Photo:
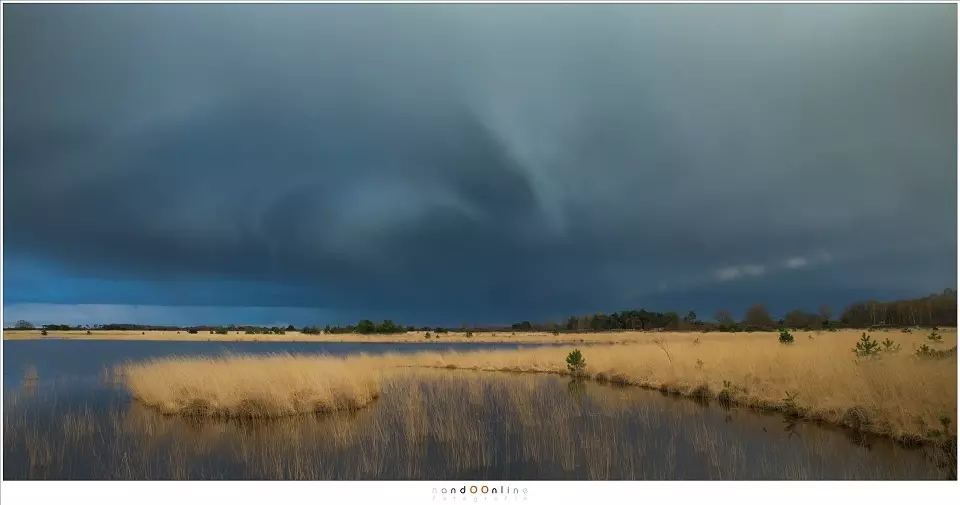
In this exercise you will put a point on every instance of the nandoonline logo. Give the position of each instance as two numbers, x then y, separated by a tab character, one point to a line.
482	493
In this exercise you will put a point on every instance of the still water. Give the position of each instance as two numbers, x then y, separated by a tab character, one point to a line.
427	425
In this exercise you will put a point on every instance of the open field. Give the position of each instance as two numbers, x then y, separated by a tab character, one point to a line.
817	378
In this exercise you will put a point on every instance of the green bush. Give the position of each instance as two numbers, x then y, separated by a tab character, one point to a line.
890	346
926	351
935	337
866	347
785	337
575	363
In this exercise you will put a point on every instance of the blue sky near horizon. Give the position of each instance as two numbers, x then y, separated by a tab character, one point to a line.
314	164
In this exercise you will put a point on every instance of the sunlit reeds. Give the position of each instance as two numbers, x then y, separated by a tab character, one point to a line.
252	386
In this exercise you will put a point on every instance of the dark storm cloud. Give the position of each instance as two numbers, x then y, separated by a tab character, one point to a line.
498	161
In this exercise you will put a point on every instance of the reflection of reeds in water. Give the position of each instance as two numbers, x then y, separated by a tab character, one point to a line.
444	425
884	396
30	373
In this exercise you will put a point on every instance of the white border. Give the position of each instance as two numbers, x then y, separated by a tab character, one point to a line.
539	492
394	492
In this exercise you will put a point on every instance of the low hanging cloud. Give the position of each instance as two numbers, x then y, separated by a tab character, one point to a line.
736	272
497	162
733	273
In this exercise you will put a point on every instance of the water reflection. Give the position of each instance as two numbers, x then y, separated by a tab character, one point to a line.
450	425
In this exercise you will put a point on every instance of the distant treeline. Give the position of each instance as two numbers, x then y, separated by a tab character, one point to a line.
933	310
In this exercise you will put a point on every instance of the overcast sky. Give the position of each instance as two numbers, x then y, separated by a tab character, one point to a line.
437	164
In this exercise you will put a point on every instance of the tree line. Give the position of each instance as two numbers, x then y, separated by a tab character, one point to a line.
938	309
933	310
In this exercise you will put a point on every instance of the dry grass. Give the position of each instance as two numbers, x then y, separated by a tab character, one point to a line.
252	386
896	395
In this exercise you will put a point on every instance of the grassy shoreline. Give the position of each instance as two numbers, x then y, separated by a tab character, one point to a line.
817	378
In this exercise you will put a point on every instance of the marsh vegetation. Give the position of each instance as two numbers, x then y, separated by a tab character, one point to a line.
675	406
454	424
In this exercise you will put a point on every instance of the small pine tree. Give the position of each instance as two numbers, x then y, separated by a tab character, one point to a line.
575	363
866	347
786	337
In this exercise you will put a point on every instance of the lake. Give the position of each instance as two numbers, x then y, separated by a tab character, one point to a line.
427	425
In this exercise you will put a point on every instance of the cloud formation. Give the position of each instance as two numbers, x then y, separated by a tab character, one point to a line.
493	162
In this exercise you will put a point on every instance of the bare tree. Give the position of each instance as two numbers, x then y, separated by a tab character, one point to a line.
724	317
824	313
758	316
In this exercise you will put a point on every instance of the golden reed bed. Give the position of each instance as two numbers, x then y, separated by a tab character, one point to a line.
818	377
252	386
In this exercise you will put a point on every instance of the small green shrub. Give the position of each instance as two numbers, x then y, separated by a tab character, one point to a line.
890	347
866	347
935	337
785	337
468	334
43	332
696	341
575	363
928	352
790	406
426	335
907	330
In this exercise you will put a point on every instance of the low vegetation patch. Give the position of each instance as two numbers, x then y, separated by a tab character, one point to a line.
252	386
575	363
786	337
813	381
866	347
